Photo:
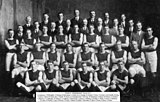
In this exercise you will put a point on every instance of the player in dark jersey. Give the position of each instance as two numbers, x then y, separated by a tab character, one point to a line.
33	81
54	55
60	40
118	55
92	39
136	59
10	44
99	29
36	31
86	56
76	38
39	56
21	61
66	77
19	33
120	77
137	73
45	40
29	41
123	38
84	30
102	55
102	77
68	28
70	56
107	38
52	31
28	25
50	77
85	78
149	46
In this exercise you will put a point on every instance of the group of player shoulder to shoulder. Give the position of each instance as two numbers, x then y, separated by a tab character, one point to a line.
90	58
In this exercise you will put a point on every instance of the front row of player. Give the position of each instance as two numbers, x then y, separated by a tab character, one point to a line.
65	79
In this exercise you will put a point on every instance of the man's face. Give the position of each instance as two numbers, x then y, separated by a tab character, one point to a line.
85	22
100	21
106	15
60	28
123	17
68	22
102	66
85	48
45	16
118	45
134	45
120	65
131	23
36	24
115	21
76	28
28	32
53	47
50	66
28	19
76	13
60	16
91	28
65	65
102	47
149	31
93	14
106	29
121	29
53	24
139	26
84	66
20	28
45	29
69	48
11	34
34	65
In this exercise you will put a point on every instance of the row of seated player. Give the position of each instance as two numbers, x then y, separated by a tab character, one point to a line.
66	80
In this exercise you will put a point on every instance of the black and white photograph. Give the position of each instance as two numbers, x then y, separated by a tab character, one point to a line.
79	50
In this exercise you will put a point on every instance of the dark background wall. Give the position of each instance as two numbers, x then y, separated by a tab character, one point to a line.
13	13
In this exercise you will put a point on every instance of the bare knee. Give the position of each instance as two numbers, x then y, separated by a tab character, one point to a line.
38	88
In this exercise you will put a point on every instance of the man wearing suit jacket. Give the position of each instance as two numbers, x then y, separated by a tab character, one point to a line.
60	20
45	22
107	21
36	31
77	20
114	30
138	35
99	29
130	28
92	20
52	31
28	24
123	22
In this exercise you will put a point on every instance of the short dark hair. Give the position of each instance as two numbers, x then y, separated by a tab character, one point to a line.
10	30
